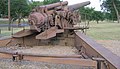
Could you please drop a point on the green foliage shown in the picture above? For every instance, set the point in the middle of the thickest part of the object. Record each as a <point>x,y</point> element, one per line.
<point>90,14</point>
<point>98,16</point>
<point>86,13</point>
<point>33,4</point>
<point>108,16</point>
<point>3,7</point>
<point>107,5</point>
<point>45,2</point>
<point>20,7</point>
<point>17,7</point>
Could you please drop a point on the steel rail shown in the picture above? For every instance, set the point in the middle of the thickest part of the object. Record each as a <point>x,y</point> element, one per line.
<point>93,49</point>
<point>56,60</point>
<point>72,61</point>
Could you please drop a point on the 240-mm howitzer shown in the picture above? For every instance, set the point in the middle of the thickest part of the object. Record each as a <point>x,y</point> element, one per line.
<point>55,24</point>
<point>48,20</point>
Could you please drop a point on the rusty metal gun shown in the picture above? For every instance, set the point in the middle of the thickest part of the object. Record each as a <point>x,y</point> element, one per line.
<point>48,20</point>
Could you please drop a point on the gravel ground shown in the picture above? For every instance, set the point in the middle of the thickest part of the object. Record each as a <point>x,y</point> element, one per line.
<point>112,45</point>
<point>45,50</point>
<point>51,50</point>
<point>8,64</point>
<point>12,48</point>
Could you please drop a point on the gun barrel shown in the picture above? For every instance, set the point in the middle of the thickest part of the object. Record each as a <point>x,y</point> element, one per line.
<point>50,6</point>
<point>77,6</point>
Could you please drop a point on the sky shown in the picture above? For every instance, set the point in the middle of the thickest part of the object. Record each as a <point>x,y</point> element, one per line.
<point>94,3</point>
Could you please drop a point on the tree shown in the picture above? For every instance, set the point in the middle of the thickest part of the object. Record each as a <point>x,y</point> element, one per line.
<point>33,4</point>
<point>19,7</point>
<point>45,2</point>
<point>86,13</point>
<point>98,16</point>
<point>3,7</point>
<point>90,14</point>
<point>112,6</point>
<point>108,16</point>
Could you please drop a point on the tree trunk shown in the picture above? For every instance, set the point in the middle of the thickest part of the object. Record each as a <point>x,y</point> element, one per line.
<point>19,18</point>
<point>116,11</point>
<point>9,16</point>
<point>19,21</point>
<point>97,21</point>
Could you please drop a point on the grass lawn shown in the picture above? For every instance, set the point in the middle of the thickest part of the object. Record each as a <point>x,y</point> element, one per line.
<point>104,31</point>
<point>5,32</point>
<point>3,21</point>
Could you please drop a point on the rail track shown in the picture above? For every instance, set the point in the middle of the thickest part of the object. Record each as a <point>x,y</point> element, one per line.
<point>91,54</point>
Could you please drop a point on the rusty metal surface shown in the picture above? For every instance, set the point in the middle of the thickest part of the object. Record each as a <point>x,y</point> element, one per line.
<point>6,56</point>
<point>58,15</point>
<point>32,41</point>
<point>54,56</point>
<point>47,34</point>
<point>77,6</point>
<point>50,6</point>
<point>73,61</point>
<point>59,30</point>
<point>4,42</point>
<point>23,33</point>
<point>94,49</point>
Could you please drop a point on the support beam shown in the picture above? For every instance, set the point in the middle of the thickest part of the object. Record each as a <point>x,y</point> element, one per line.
<point>73,61</point>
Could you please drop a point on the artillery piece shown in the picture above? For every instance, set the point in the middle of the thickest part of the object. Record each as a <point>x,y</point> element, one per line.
<point>48,20</point>
<point>53,25</point>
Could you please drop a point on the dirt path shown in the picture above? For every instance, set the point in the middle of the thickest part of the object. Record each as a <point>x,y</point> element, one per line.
<point>112,45</point>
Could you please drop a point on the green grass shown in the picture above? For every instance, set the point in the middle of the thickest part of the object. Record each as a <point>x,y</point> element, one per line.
<point>5,21</point>
<point>104,31</point>
<point>6,32</point>
<point>2,21</point>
